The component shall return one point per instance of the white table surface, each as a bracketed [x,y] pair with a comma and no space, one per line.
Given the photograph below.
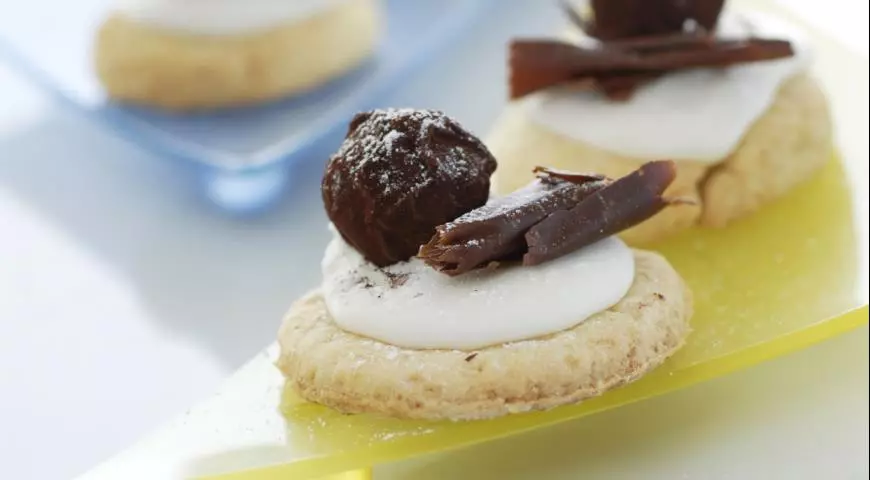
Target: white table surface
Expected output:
[125,298]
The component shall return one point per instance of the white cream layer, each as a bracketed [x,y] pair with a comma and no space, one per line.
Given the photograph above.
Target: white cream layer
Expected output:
[421,308]
[698,114]
[219,17]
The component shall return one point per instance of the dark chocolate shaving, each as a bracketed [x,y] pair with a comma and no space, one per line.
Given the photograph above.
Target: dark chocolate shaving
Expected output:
[495,231]
[663,43]
[616,207]
[616,69]
[639,40]
[553,175]
[557,214]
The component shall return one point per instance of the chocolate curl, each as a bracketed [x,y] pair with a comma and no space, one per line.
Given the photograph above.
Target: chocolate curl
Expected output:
[622,204]
[553,175]
[619,67]
[555,215]
[495,231]
[537,64]
[719,53]
[663,43]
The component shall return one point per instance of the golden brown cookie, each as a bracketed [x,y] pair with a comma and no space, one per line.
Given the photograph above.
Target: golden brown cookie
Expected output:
[781,149]
[355,374]
[145,65]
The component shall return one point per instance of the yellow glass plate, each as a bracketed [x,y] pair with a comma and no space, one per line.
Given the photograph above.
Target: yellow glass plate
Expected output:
[785,278]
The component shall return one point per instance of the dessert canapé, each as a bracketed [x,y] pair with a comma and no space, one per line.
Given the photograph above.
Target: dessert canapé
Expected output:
[439,302]
[728,97]
[206,54]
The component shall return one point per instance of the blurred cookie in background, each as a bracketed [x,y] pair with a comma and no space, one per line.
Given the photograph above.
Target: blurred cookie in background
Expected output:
[207,54]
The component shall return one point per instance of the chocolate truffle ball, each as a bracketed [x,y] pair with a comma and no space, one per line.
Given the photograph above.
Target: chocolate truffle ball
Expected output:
[614,19]
[398,175]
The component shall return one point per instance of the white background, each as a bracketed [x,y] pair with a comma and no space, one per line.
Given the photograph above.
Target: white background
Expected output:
[125,298]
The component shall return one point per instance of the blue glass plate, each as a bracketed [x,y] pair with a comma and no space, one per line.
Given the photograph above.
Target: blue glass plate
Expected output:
[247,150]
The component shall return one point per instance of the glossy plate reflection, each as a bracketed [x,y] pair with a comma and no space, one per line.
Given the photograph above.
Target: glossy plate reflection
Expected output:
[779,281]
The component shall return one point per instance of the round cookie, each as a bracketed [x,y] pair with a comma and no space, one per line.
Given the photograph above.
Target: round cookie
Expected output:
[142,64]
[783,147]
[354,374]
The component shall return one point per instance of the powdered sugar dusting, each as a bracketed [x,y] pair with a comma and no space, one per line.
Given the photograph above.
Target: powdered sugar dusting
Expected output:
[391,137]
[398,145]
[399,174]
